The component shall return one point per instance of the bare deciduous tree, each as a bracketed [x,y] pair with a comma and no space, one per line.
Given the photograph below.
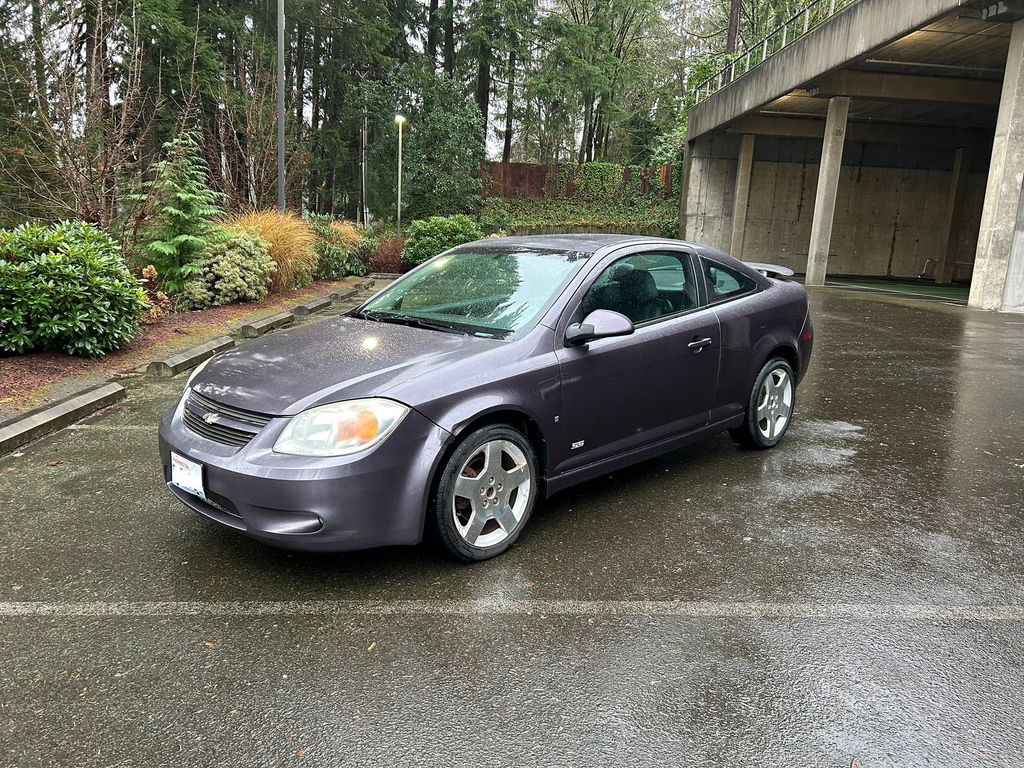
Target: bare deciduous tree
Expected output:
[77,146]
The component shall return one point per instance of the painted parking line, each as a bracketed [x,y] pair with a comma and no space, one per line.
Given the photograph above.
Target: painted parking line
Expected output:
[520,607]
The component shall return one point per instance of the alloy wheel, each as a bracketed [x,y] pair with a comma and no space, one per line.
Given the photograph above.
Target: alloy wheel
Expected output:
[492,493]
[774,403]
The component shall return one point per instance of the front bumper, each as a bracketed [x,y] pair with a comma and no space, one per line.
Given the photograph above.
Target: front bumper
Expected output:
[370,499]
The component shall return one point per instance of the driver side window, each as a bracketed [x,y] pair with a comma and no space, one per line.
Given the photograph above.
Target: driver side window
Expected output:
[644,287]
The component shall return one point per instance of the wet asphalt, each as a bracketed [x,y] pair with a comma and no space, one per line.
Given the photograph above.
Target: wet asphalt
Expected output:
[853,595]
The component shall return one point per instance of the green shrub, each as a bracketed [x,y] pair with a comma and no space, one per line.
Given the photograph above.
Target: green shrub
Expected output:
[365,249]
[598,181]
[235,267]
[182,210]
[633,186]
[337,246]
[429,237]
[640,216]
[66,287]
[669,227]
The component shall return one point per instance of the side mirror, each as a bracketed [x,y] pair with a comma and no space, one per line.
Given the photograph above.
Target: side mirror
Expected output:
[599,324]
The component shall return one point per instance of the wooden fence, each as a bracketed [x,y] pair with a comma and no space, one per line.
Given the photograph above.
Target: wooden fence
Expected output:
[532,180]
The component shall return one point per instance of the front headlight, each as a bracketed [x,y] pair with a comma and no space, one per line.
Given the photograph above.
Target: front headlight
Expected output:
[340,428]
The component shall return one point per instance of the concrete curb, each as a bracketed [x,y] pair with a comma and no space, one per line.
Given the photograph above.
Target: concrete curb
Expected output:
[318,305]
[43,421]
[257,328]
[344,294]
[384,275]
[190,358]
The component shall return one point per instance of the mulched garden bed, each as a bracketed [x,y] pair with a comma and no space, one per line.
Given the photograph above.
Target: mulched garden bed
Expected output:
[27,381]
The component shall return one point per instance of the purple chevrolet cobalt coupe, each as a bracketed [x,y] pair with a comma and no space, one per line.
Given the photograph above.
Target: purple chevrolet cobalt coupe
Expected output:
[482,382]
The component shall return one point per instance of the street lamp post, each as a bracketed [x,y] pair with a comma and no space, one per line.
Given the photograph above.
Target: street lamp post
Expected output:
[281,202]
[400,119]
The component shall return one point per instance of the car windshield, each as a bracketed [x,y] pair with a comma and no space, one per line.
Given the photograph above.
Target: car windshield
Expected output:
[494,291]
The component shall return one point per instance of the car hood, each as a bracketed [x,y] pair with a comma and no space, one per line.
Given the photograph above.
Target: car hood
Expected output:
[340,359]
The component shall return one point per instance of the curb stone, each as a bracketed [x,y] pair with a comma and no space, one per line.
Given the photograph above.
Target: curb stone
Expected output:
[190,358]
[318,305]
[51,418]
[345,294]
[257,328]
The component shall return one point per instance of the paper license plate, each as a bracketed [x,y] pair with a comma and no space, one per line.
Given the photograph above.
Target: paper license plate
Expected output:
[187,475]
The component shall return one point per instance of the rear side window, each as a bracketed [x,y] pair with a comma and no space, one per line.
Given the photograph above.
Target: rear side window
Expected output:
[724,283]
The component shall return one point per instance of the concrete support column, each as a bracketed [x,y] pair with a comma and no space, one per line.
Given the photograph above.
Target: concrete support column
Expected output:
[997,259]
[954,215]
[828,188]
[684,187]
[1013,290]
[739,211]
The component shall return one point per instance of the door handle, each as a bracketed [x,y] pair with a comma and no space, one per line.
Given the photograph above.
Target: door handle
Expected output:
[698,344]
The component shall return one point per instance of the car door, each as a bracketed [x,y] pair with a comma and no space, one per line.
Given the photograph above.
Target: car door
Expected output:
[731,295]
[625,392]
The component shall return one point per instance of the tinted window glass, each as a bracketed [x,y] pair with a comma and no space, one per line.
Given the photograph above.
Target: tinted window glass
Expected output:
[644,287]
[725,283]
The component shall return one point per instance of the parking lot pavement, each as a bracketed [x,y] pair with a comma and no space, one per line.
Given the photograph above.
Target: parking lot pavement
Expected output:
[855,594]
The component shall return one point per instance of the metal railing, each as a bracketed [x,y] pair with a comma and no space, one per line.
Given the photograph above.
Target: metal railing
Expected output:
[813,15]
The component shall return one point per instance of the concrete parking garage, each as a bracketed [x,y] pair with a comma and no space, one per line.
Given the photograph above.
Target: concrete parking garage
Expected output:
[887,141]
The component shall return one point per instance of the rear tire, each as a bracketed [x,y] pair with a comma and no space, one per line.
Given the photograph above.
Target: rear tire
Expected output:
[770,407]
[486,494]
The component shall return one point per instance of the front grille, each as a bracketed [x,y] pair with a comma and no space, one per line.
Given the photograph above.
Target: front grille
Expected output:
[231,426]
[247,417]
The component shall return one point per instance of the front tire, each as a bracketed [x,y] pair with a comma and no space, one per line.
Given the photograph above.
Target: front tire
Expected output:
[770,408]
[486,494]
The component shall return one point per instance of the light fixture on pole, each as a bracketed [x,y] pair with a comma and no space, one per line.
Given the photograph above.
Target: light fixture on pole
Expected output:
[400,120]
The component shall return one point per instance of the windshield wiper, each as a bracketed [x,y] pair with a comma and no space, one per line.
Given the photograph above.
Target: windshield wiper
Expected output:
[410,320]
[369,314]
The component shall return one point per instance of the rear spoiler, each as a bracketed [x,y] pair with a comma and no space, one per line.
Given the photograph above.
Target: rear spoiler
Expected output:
[771,270]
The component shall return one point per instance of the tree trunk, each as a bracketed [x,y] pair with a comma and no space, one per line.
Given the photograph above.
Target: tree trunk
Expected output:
[598,132]
[432,32]
[483,82]
[314,117]
[39,62]
[449,37]
[734,26]
[300,76]
[588,109]
[510,98]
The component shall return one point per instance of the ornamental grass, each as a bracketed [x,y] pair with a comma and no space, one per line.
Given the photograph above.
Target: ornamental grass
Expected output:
[292,244]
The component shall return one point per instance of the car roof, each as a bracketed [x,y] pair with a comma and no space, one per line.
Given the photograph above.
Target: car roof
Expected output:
[590,244]
[581,243]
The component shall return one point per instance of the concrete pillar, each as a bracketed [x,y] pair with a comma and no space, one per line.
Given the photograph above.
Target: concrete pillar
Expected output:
[684,187]
[739,209]
[1013,289]
[828,188]
[954,215]
[997,258]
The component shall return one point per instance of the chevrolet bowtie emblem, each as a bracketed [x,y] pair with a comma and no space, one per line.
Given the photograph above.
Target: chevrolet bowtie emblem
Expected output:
[211,418]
